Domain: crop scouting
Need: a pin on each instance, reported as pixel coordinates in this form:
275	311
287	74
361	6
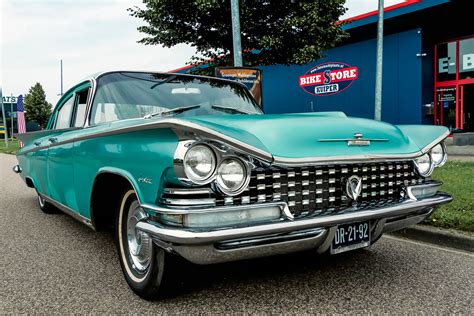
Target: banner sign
9	99
328	78
250	77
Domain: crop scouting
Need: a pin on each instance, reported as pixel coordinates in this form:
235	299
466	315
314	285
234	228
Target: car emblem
354	187
145	180
358	140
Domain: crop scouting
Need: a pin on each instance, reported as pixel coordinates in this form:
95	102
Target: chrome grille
311	190
322	188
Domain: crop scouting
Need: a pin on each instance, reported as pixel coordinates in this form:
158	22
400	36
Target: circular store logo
328	78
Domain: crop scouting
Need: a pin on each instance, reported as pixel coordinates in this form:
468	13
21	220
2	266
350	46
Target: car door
38	163
60	154
69	120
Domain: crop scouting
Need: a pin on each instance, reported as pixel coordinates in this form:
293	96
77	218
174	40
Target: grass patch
458	179
13	146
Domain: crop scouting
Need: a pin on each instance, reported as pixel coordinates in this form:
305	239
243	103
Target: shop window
446	54
466	59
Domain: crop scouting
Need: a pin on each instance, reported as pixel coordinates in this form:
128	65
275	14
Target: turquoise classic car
188	167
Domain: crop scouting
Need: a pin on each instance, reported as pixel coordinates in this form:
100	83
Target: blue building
428	69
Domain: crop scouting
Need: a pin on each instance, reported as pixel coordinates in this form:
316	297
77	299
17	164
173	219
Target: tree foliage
36	107
282	32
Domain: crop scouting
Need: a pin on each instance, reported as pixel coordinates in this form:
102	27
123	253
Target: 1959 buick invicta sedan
188	167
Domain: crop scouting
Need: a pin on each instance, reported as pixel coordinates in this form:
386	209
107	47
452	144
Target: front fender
425	136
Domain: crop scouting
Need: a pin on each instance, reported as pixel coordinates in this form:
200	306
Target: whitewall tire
148	269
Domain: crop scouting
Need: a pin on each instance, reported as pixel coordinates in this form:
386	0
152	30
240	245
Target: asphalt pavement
54	264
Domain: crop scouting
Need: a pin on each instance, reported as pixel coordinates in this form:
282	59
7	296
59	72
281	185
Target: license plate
351	236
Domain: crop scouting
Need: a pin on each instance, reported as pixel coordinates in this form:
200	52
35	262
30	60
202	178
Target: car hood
301	135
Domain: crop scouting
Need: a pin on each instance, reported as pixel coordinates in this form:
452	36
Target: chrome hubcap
140	245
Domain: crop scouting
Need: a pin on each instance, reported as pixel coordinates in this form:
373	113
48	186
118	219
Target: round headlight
438	155
199	163
232	176
424	165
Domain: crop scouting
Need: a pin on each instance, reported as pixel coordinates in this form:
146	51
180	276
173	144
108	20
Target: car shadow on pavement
263	275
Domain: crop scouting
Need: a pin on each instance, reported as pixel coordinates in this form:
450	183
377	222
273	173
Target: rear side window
63	118
81	108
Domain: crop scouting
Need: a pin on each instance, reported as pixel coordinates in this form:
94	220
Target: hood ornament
358	140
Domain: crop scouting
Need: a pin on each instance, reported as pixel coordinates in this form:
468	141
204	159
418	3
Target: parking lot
53	264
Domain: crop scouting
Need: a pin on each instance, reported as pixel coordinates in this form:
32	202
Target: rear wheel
45	206
148	269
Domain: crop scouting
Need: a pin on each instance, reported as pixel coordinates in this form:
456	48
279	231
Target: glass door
467	107
446	106
454	84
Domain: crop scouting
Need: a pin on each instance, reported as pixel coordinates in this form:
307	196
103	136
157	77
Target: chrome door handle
53	140
37	143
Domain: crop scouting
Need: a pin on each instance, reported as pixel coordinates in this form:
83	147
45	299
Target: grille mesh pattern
318	189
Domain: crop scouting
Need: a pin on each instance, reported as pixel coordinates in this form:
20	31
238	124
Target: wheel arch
111	182
30	182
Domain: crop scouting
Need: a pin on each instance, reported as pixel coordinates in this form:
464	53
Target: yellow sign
250	77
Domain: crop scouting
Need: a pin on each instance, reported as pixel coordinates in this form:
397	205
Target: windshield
128	95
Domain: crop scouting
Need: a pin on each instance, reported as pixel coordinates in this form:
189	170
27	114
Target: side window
81	106
105	112
63	117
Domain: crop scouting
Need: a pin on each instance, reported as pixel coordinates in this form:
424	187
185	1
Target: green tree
36	107
283	32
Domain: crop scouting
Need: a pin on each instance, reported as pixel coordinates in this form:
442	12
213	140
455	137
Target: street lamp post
378	74
5	127
237	45
11	117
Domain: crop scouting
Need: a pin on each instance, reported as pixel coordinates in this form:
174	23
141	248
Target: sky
89	36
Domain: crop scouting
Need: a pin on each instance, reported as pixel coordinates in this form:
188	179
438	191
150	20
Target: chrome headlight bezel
444	158
424	172
192	174
433	163
181	172
221	153
220	184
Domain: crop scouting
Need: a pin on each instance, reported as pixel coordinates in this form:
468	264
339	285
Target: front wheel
148	269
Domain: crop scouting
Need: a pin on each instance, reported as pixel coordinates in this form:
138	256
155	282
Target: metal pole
234	7
378	75
11	117
4	120
61	77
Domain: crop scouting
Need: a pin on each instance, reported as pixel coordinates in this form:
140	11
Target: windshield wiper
169	79
228	109
172	111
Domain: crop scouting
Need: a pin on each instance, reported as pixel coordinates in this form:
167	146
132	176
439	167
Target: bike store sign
328	78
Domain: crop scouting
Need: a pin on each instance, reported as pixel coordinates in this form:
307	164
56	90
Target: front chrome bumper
205	246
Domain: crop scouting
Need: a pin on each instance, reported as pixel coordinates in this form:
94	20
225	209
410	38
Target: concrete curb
460	150
461	158
438	236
